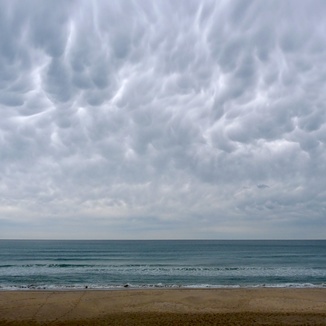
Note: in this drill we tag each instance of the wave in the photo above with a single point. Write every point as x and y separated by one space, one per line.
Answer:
152 266
49 265
163 269
154 286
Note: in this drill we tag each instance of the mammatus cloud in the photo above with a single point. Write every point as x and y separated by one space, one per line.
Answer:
195 119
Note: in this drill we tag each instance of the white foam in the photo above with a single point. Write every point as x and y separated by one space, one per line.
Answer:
151 286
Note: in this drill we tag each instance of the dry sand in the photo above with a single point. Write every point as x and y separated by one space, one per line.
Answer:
165 307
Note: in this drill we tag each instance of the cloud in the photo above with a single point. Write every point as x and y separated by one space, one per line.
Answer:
132 119
262 186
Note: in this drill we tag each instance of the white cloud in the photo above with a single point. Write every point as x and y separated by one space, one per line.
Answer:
133 119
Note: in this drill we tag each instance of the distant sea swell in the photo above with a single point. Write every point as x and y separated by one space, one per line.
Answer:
161 264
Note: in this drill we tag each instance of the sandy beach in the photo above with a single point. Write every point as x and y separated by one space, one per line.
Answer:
261 306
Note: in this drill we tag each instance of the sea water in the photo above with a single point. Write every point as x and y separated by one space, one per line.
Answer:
28 264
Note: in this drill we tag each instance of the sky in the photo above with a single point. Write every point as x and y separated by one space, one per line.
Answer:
165 119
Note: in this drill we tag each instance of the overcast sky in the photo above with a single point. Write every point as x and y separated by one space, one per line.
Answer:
163 119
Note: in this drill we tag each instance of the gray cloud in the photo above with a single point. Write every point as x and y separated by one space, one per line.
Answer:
160 119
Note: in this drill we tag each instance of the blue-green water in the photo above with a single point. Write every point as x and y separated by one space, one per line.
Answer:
113 264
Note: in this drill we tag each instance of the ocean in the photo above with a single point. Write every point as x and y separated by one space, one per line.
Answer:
56 265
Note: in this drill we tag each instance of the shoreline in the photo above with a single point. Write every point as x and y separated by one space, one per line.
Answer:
283 306
128 286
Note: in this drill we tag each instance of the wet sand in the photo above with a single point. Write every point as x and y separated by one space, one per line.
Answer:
261 306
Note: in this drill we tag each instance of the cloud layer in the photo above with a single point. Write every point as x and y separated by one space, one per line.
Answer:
156 119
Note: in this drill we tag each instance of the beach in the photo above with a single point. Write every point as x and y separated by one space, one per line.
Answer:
245 306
